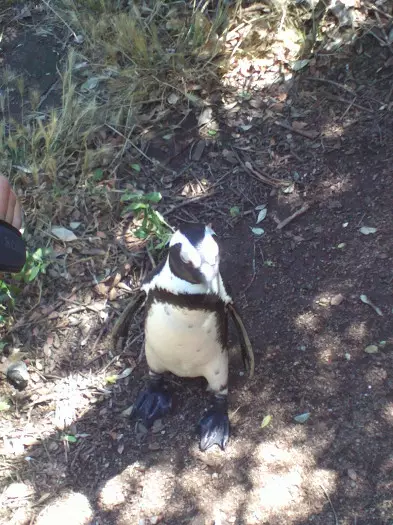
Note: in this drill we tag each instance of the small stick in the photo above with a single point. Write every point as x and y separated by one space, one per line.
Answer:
332 83
289 219
263 178
331 505
312 135
345 101
372 6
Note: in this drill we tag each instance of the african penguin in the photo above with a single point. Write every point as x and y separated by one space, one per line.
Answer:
186 329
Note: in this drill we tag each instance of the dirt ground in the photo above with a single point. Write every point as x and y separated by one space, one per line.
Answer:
319 349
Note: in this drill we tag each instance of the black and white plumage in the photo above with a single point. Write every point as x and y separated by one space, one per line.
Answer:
186 328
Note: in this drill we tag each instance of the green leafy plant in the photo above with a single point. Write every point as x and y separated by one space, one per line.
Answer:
152 222
36 263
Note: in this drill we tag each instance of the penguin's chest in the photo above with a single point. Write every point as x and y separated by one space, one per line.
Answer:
181 340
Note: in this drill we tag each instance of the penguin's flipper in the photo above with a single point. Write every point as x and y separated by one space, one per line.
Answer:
152 403
245 343
214 427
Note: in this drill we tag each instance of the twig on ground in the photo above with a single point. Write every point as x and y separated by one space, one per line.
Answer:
61 18
101 333
332 83
312 135
22 323
259 176
185 202
294 215
80 305
345 101
254 273
375 8
331 505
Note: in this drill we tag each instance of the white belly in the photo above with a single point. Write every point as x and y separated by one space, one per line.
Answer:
184 342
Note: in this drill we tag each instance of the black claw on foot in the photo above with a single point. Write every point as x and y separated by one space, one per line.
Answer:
214 426
152 403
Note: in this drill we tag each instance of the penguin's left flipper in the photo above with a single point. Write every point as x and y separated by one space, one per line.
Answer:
214 428
245 343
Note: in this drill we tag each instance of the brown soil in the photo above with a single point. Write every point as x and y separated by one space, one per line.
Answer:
299 293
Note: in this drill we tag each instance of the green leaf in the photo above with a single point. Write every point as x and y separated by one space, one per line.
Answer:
70 438
300 64
136 167
266 420
141 234
111 379
32 274
136 206
212 132
234 211
90 83
261 215
302 418
258 231
98 174
131 196
154 196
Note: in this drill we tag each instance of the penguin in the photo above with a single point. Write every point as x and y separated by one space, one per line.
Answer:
186 330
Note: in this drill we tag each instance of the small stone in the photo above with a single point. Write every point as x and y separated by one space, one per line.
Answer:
352 474
157 426
17 375
337 299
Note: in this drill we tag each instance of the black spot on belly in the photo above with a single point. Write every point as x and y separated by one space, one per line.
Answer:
190 326
216 372
199 349
209 331
166 310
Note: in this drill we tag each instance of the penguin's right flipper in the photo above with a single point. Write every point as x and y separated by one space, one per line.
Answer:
245 343
152 403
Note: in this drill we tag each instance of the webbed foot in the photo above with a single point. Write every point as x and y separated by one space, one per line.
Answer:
214 426
152 403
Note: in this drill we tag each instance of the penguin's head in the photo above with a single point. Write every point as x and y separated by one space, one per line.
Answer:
194 254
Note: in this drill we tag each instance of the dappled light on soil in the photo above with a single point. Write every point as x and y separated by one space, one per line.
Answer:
260 121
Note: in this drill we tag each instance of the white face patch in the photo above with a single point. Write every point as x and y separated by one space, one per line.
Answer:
208 249
188 253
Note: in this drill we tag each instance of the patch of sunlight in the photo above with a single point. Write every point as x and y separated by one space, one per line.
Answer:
156 484
387 413
71 507
196 188
332 130
65 403
357 331
327 345
308 321
284 480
